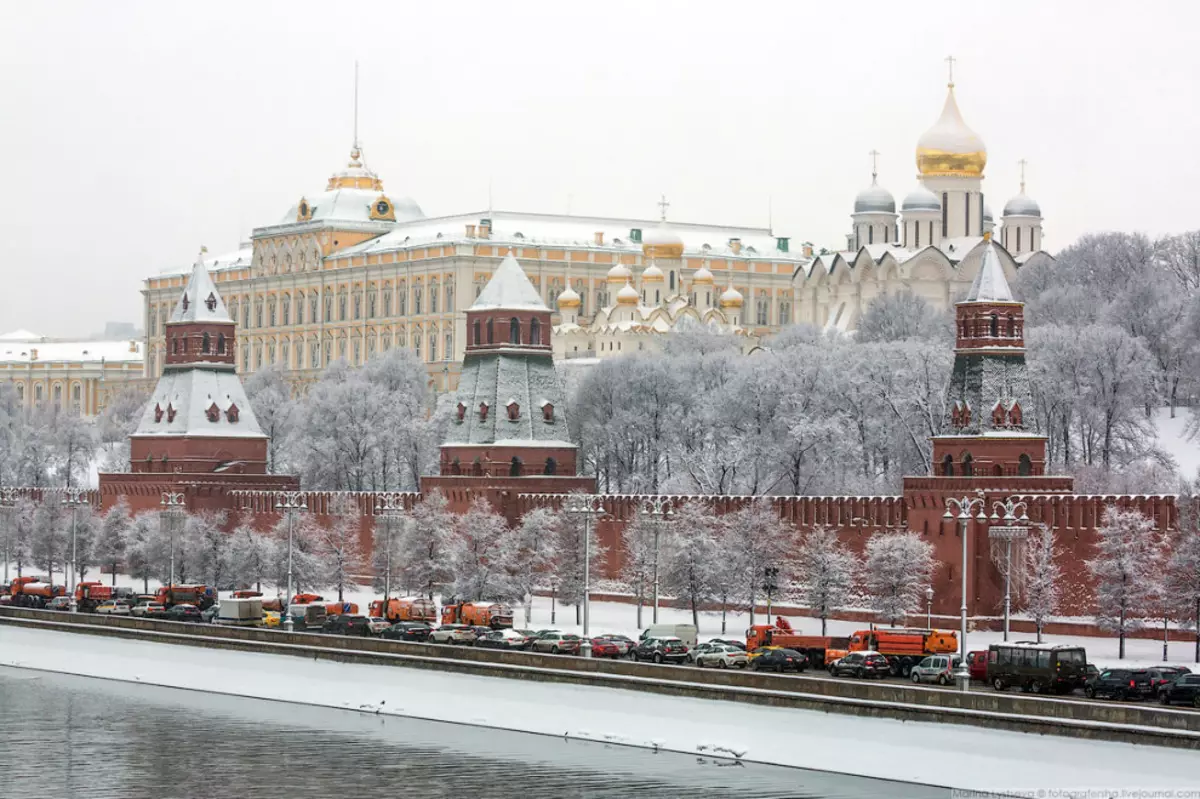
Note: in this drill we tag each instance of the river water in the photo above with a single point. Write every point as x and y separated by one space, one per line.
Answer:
66 737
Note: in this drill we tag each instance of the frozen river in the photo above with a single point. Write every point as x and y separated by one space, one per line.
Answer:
74 736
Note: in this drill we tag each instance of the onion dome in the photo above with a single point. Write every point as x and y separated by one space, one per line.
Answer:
921 199
628 295
569 298
874 199
620 273
662 242
702 277
652 274
988 216
731 298
1022 205
950 147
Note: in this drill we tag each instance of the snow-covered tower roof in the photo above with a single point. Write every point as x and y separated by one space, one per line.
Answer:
510 289
200 301
990 284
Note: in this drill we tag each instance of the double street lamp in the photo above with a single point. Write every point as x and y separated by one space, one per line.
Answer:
289 503
587 507
1015 528
960 508
173 510
390 508
73 498
660 510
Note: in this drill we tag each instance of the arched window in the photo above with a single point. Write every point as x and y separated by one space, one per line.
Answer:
535 332
995 326
402 298
477 468
449 297
514 468
477 332
220 344
968 465
491 339
456 467
271 312
1024 466
286 310
205 343
387 301
1012 327
514 331
342 306
371 304
551 466
948 466
433 296
357 305
417 300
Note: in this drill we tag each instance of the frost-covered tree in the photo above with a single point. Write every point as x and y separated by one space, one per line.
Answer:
761 541
112 537
308 569
567 579
1127 571
251 555
482 554
81 532
637 568
339 547
271 399
903 315
50 539
897 567
427 537
387 556
535 539
690 555
1182 578
1043 577
825 571
209 549
143 547
73 444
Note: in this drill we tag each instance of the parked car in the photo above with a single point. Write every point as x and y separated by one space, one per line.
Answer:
209 614
781 660
700 649
661 650
111 608
59 603
603 648
624 643
183 612
556 643
861 664
271 618
453 634
377 624
761 650
146 609
730 642
1185 690
508 638
346 624
1161 677
977 664
1119 684
412 631
935 668
684 632
723 656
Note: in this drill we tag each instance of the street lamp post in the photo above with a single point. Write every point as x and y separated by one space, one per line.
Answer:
390 507
929 607
1015 518
587 506
8 506
291 503
172 503
660 510
960 508
73 498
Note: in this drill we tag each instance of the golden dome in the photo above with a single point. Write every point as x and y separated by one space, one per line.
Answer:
662 242
731 298
569 298
355 175
620 273
652 274
702 277
628 296
950 147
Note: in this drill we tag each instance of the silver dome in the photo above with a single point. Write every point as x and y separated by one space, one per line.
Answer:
1022 205
874 199
987 213
921 199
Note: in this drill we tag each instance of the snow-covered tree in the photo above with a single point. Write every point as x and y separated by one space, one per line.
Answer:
726 576
762 541
1182 579
690 555
112 537
427 537
50 539
825 571
210 547
535 539
482 554
568 574
21 544
897 567
903 315
308 570
387 556
339 547
143 547
271 398
251 555
637 568
1043 576
1127 570
82 529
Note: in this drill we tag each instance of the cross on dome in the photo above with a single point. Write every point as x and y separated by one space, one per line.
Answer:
1022 164
874 164
950 61
663 205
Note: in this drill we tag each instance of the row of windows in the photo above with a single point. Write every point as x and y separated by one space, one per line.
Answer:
966 467
514 332
56 392
516 467
261 354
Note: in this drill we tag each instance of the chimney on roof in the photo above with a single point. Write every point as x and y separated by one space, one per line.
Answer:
735 244
599 238
807 249
485 228
33 354
470 231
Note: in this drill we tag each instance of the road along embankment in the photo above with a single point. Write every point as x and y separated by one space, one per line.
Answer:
1109 721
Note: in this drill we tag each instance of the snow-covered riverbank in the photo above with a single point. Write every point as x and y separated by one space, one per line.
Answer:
956 756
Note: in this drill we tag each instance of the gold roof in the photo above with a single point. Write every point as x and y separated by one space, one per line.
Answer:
950 147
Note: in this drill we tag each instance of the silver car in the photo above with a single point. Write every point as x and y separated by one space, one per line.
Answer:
453 634
935 668
723 656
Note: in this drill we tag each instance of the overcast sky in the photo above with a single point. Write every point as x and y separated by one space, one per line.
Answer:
134 132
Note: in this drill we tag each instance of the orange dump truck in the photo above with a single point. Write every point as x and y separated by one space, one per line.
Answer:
483 614
201 596
405 609
90 593
816 647
903 648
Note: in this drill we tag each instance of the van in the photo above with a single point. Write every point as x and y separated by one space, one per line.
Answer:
936 668
307 617
1037 668
684 632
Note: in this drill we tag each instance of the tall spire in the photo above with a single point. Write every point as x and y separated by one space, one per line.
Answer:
874 166
356 145
200 301
1022 164
990 284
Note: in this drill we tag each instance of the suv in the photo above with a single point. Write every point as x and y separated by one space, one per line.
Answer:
861 664
346 624
452 634
147 609
1185 690
1161 677
661 650
556 643
935 668
1119 684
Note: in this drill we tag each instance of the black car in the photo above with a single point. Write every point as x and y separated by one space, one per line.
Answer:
345 624
1119 684
861 664
661 650
1183 691
413 631
780 660
1161 677
504 639
189 613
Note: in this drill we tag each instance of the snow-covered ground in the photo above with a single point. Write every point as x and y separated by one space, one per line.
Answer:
1172 440
951 755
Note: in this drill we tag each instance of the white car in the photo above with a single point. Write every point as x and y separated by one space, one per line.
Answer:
453 634
148 609
377 624
723 656
113 609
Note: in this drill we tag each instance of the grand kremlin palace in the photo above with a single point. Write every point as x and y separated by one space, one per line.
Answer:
356 268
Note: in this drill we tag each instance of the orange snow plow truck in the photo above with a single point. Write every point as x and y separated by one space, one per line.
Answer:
202 596
903 648
405 609
482 614
34 592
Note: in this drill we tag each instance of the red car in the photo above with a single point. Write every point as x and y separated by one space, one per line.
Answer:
977 665
603 648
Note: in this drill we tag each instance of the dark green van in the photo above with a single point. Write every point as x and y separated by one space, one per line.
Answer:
1039 668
